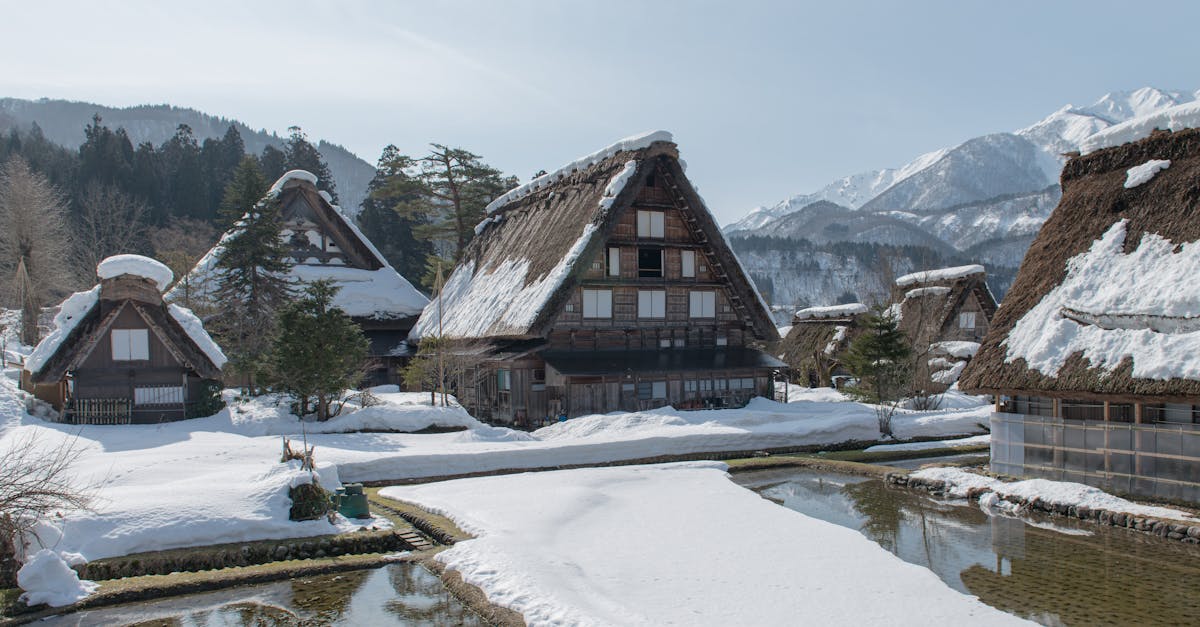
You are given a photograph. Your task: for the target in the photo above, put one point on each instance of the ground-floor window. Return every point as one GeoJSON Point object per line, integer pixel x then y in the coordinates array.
{"type": "Point", "coordinates": [164, 395]}
{"type": "Point", "coordinates": [648, 390]}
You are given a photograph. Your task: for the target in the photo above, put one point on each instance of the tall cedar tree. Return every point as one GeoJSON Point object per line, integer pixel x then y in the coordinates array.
{"type": "Point", "coordinates": [879, 357]}
{"type": "Point", "coordinates": [245, 189]}
{"type": "Point", "coordinates": [299, 154]}
{"type": "Point", "coordinates": [385, 219]}
{"type": "Point", "coordinates": [252, 287]}
{"type": "Point", "coordinates": [318, 353]}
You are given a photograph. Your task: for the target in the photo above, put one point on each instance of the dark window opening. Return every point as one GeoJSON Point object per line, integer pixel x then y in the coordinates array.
{"type": "Point", "coordinates": [650, 262]}
{"type": "Point", "coordinates": [650, 180]}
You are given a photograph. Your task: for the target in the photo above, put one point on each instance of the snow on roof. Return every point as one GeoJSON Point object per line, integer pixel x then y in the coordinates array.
{"type": "Point", "coordinates": [832, 311]}
{"type": "Point", "coordinates": [290, 175]}
{"type": "Point", "coordinates": [959, 349]}
{"type": "Point", "coordinates": [497, 303]}
{"type": "Point", "coordinates": [636, 142]}
{"type": "Point", "coordinates": [195, 330]}
{"type": "Point", "coordinates": [1153, 281]}
{"type": "Point", "coordinates": [1175, 118]}
{"type": "Point", "coordinates": [942, 274]}
{"type": "Point", "coordinates": [1139, 174]}
{"type": "Point", "coordinates": [136, 265]}
{"type": "Point", "coordinates": [937, 290]}
{"type": "Point", "coordinates": [70, 313]}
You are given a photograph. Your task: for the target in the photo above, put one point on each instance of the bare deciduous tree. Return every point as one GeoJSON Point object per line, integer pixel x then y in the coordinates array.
{"type": "Point", "coordinates": [34, 244]}
{"type": "Point", "coordinates": [110, 222]}
{"type": "Point", "coordinates": [37, 482]}
{"type": "Point", "coordinates": [180, 245]}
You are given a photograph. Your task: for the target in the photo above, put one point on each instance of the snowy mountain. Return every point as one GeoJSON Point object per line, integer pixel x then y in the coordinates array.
{"type": "Point", "coordinates": [63, 122]}
{"type": "Point", "coordinates": [982, 200]}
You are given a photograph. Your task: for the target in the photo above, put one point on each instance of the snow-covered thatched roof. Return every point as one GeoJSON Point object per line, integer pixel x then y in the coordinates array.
{"type": "Point", "coordinates": [1106, 301]}
{"type": "Point", "coordinates": [518, 271]}
{"type": "Point", "coordinates": [369, 286]}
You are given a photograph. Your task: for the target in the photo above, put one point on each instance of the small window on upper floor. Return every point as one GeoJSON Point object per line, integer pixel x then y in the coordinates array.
{"type": "Point", "coordinates": [687, 260]}
{"type": "Point", "coordinates": [966, 320]}
{"type": "Point", "coordinates": [614, 261]}
{"type": "Point", "coordinates": [130, 344]}
{"type": "Point", "coordinates": [650, 180]}
{"type": "Point", "coordinates": [651, 224]}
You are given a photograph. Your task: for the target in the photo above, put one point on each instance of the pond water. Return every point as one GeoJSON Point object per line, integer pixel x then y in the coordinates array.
{"type": "Point", "coordinates": [1055, 571]}
{"type": "Point", "coordinates": [397, 594]}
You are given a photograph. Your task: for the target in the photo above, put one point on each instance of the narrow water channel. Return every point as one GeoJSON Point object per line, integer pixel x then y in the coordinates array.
{"type": "Point", "coordinates": [1055, 571]}
{"type": "Point", "coordinates": [398, 594]}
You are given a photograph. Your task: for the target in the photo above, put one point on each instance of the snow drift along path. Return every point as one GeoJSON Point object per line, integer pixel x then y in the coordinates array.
{"type": "Point", "coordinates": [676, 544]}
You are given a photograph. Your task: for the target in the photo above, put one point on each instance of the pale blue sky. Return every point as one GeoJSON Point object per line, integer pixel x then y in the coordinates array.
{"type": "Point", "coordinates": [766, 99]}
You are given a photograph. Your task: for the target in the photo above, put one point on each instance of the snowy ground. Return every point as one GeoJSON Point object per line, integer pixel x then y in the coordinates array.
{"type": "Point", "coordinates": [218, 479]}
{"type": "Point", "coordinates": [676, 544]}
{"type": "Point", "coordinates": [975, 440]}
{"type": "Point", "coordinates": [959, 481]}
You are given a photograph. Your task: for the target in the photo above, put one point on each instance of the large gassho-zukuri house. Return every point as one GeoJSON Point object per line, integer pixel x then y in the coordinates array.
{"type": "Point", "coordinates": [945, 313]}
{"type": "Point", "coordinates": [119, 354]}
{"type": "Point", "coordinates": [1095, 354]}
{"type": "Point", "coordinates": [326, 244]}
{"type": "Point", "coordinates": [817, 341]}
{"type": "Point", "coordinates": [603, 286]}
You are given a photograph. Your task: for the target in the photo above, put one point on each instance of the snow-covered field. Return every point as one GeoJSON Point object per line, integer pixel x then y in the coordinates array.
{"type": "Point", "coordinates": [218, 479]}
{"type": "Point", "coordinates": [676, 544]}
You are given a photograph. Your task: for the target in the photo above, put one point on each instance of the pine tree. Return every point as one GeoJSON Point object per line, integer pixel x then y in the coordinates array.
{"type": "Point", "coordinates": [879, 358]}
{"type": "Point", "coordinates": [244, 190]}
{"type": "Point", "coordinates": [187, 190]}
{"type": "Point", "coordinates": [299, 154]}
{"type": "Point", "coordinates": [319, 352]}
{"type": "Point", "coordinates": [459, 187]}
{"type": "Point", "coordinates": [273, 163]}
{"type": "Point", "coordinates": [385, 220]}
{"type": "Point", "coordinates": [252, 287]}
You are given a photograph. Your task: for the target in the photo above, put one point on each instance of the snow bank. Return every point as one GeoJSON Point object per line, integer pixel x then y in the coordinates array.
{"type": "Point", "coordinates": [943, 274]}
{"type": "Point", "coordinates": [501, 300]}
{"type": "Point", "coordinates": [959, 481]}
{"type": "Point", "coordinates": [975, 440]}
{"type": "Point", "coordinates": [1141, 174]}
{"type": "Point", "coordinates": [46, 578]}
{"type": "Point", "coordinates": [833, 311]}
{"type": "Point", "coordinates": [70, 313]}
{"type": "Point", "coordinates": [1175, 118]}
{"type": "Point", "coordinates": [1136, 300]}
{"type": "Point", "coordinates": [136, 265]}
{"type": "Point", "coordinates": [556, 547]}
{"type": "Point", "coordinates": [195, 330]}
{"type": "Point", "coordinates": [636, 142]}
{"type": "Point", "coordinates": [290, 175]}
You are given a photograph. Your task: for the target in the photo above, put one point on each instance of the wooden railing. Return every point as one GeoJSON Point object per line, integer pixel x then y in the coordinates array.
{"type": "Point", "coordinates": [99, 411]}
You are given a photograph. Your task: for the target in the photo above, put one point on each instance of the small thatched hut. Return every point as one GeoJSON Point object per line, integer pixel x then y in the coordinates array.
{"type": "Point", "coordinates": [945, 313]}
{"type": "Point", "coordinates": [603, 286]}
{"type": "Point", "coordinates": [1094, 354]}
{"type": "Point", "coordinates": [819, 336]}
{"type": "Point", "coordinates": [119, 354]}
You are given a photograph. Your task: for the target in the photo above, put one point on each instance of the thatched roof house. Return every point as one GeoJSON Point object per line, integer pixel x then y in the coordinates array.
{"type": "Point", "coordinates": [1103, 321]}
{"type": "Point", "coordinates": [326, 244]}
{"type": "Point", "coordinates": [945, 313]}
{"type": "Point", "coordinates": [120, 354]}
{"type": "Point", "coordinates": [818, 337]}
{"type": "Point", "coordinates": [612, 253]}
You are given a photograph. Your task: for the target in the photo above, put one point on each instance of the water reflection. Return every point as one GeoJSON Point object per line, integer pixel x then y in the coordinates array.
{"type": "Point", "coordinates": [1052, 570]}
{"type": "Point", "coordinates": [399, 594]}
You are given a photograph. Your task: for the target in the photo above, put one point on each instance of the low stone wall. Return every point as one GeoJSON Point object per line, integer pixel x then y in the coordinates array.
{"type": "Point", "coordinates": [1169, 529]}
{"type": "Point", "coordinates": [247, 554]}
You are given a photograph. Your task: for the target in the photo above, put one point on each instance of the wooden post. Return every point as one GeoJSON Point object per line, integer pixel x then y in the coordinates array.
{"type": "Point", "coordinates": [1137, 413]}
{"type": "Point", "coordinates": [1107, 429]}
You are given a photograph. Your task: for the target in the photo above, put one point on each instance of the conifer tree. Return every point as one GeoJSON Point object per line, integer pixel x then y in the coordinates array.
{"type": "Point", "coordinates": [385, 219]}
{"type": "Point", "coordinates": [318, 353]}
{"type": "Point", "coordinates": [299, 154]}
{"type": "Point", "coordinates": [244, 190]}
{"type": "Point", "coordinates": [879, 358]}
{"type": "Point", "coordinates": [252, 287]}
{"type": "Point", "coordinates": [273, 163]}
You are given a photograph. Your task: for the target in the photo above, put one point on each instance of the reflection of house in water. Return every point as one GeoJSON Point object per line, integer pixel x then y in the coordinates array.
{"type": "Point", "coordinates": [1094, 351]}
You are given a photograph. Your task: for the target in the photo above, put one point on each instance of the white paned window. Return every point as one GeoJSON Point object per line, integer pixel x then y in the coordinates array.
{"type": "Point", "coordinates": [171, 395]}
{"type": "Point", "coordinates": [651, 224]}
{"type": "Point", "coordinates": [652, 304]}
{"type": "Point", "coordinates": [688, 257]}
{"type": "Point", "coordinates": [597, 303]}
{"type": "Point", "coordinates": [614, 261]}
{"type": "Point", "coordinates": [966, 320]}
{"type": "Point", "coordinates": [130, 344]}
{"type": "Point", "coordinates": [702, 304]}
